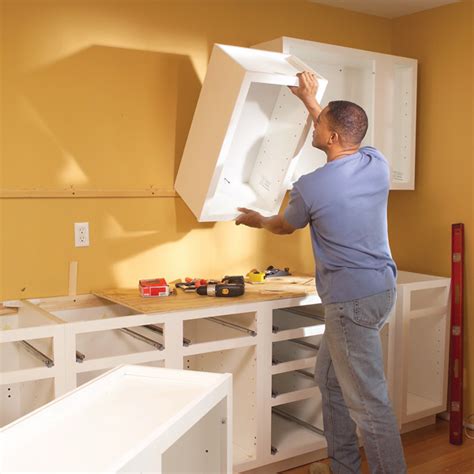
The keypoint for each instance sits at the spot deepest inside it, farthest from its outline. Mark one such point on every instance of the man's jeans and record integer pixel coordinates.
(350, 375)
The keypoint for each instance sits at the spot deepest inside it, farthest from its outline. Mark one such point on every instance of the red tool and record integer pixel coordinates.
(456, 345)
(190, 285)
(197, 282)
(155, 287)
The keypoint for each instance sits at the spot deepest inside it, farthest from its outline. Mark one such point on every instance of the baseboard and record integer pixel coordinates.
(445, 416)
(417, 424)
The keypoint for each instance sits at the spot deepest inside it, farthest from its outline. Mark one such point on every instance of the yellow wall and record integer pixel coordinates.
(420, 221)
(100, 95)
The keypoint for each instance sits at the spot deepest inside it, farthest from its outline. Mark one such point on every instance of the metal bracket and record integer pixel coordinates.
(142, 338)
(305, 344)
(305, 424)
(37, 354)
(233, 326)
(157, 329)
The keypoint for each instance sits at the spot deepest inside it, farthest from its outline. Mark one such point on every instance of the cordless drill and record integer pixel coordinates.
(229, 286)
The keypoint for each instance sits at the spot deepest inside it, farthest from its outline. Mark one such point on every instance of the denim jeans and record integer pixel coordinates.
(349, 372)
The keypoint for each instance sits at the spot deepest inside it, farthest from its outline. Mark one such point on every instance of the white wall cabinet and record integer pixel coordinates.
(384, 85)
(268, 342)
(246, 134)
(133, 419)
(249, 137)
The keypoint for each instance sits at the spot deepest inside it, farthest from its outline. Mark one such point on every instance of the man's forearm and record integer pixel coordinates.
(313, 107)
(277, 225)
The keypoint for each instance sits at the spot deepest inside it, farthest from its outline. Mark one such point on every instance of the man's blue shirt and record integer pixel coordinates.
(345, 203)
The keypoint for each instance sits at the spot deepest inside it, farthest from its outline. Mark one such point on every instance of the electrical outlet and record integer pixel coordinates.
(81, 234)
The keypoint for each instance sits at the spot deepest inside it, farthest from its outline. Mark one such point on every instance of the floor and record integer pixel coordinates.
(428, 451)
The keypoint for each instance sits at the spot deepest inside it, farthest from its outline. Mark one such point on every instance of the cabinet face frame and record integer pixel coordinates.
(389, 99)
(26, 380)
(246, 134)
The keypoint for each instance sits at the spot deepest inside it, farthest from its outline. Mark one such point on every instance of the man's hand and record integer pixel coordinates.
(249, 218)
(307, 88)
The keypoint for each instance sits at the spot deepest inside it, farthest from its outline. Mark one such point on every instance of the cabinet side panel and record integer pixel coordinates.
(220, 91)
(202, 444)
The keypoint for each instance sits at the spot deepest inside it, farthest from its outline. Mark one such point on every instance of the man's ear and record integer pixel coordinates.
(333, 138)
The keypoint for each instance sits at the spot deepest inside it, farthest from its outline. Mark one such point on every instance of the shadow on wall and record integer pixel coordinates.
(122, 114)
(122, 117)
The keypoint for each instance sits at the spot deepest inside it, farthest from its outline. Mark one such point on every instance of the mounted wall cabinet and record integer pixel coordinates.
(247, 131)
(384, 85)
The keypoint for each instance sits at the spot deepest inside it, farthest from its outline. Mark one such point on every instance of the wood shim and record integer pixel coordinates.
(72, 279)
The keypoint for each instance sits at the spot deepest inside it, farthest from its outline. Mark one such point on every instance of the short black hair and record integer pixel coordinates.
(349, 120)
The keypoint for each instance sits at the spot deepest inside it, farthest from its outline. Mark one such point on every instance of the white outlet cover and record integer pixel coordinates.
(81, 234)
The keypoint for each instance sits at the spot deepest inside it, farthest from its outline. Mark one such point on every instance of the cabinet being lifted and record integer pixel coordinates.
(249, 140)
(246, 134)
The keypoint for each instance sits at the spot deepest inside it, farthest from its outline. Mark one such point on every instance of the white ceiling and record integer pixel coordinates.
(385, 8)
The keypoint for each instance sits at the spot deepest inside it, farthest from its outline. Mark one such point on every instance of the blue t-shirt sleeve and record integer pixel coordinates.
(297, 213)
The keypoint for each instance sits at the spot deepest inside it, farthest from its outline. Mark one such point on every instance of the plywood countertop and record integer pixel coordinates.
(272, 289)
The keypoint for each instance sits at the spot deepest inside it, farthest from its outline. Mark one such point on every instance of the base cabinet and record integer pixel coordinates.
(270, 347)
(134, 418)
(422, 315)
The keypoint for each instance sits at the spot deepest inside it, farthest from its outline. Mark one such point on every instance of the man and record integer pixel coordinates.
(345, 204)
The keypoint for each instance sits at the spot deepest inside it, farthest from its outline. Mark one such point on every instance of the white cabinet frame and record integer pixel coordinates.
(100, 426)
(422, 334)
(246, 134)
(419, 297)
(384, 85)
